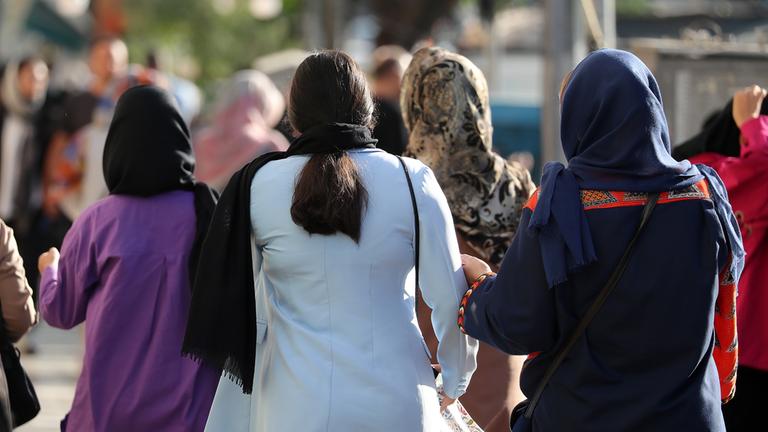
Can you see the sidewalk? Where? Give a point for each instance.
(53, 370)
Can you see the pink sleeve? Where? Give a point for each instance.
(755, 135)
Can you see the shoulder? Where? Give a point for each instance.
(415, 167)
(280, 170)
(386, 165)
(104, 204)
(113, 206)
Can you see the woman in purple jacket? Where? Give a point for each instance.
(124, 269)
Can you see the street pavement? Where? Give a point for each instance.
(54, 370)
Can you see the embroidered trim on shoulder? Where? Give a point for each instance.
(593, 199)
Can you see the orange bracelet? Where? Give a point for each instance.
(465, 299)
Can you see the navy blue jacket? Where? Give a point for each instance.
(645, 362)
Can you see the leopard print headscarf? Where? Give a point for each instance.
(445, 107)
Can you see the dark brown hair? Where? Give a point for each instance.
(329, 87)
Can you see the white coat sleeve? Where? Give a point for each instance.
(443, 284)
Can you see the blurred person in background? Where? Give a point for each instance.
(447, 111)
(280, 67)
(108, 64)
(90, 113)
(735, 143)
(248, 108)
(125, 270)
(23, 86)
(16, 306)
(389, 63)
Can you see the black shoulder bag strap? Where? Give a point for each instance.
(416, 228)
(595, 308)
(415, 241)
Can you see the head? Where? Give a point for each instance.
(108, 58)
(445, 106)
(329, 197)
(251, 92)
(329, 87)
(33, 79)
(613, 118)
(389, 64)
(147, 150)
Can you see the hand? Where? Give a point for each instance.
(747, 103)
(47, 259)
(446, 403)
(473, 267)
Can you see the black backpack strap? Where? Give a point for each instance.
(415, 225)
(618, 272)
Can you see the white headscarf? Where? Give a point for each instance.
(11, 95)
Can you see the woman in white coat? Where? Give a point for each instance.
(322, 334)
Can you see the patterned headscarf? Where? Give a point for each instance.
(446, 110)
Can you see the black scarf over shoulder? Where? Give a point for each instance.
(221, 328)
(148, 152)
(719, 134)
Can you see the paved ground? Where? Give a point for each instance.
(54, 370)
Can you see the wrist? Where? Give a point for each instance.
(467, 294)
(479, 279)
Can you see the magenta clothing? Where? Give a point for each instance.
(123, 271)
(746, 178)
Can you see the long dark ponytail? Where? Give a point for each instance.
(329, 197)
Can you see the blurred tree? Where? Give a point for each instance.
(633, 7)
(203, 43)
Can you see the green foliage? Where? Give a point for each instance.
(192, 32)
(632, 7)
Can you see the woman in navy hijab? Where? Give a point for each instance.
(660, 355)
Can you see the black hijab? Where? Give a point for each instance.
(221, 329)
(719, 134)
(148, 152)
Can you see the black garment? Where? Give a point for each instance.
(390, 129)
(222, 318)
(6, 418)
(746, 411)
(36, 231)
(148, 152)
(43, 233)
(75, 111)
(719, 134)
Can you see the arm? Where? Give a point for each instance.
(15, 294)
(747, 104)
(754, 133)
(515, 310)
(442, 284)
(66, 282)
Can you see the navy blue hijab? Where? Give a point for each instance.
(615, 137)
